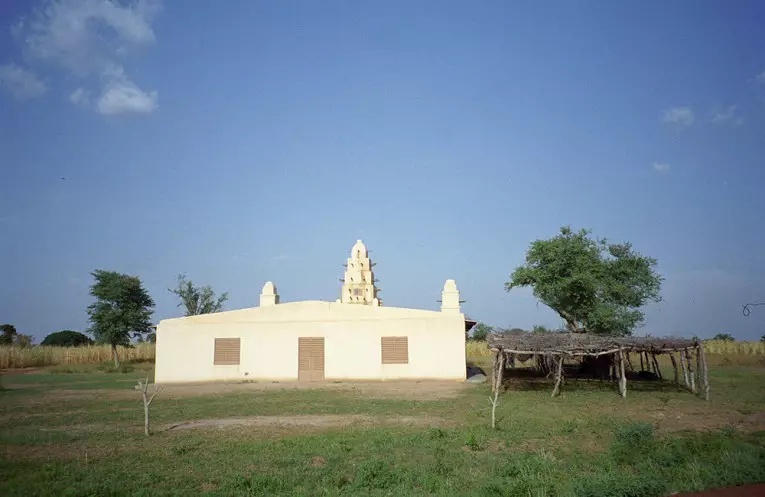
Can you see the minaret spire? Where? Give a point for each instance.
(359, 280)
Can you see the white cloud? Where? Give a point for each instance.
(281, 258)
(727, 115)
(92, 38)
(20, 82)
(760, 77)
(660, 166)
(679, 116)
(122, 96)
(80, 96)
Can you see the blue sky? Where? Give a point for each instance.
(241, 142)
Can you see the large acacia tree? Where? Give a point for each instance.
(122, 309)
(595, 286)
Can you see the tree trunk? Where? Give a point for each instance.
(115, 356)
(145, 414)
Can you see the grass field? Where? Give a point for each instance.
(80, 433)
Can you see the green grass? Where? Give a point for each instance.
(80, 433)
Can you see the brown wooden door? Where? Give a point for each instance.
(310, 358)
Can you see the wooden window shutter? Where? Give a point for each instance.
(395, 350)
(227, 351)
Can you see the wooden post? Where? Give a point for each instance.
(691, 372)
(656, 366)
(629, 362)
(559, 376)
(706, 372)
(685, 369)
(623, 378)
(674, 366)
(642, 368)
(499, 373)
(698, 367)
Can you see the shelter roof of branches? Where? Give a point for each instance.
(554, 348)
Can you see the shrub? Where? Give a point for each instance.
(67, 338)
(376, 474)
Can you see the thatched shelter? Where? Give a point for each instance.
(614, 352)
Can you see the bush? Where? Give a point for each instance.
(375, 474)
(67, 338)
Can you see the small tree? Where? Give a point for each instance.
(197, 300)
(143, 386)
(67, 338)
(762, 338)
(122, 307)
(596, 287)
(8, 334)
(538, 328)
(727, 337)
(23, 341)
(481, 331)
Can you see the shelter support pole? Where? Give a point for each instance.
(642, 368)
(685, 369)
(691, 372)
(706, 372)
(559, 376)
(656, 366)
(698, 368)
(674, 366)
(629, 362)
(623, 376)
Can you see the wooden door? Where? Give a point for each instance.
(310, 358)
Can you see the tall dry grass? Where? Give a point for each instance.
(16, 357)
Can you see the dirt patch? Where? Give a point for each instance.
(756, 421)
(11, 372)
(744, 491)
(318, 461)
(416, 390)
(308, 421)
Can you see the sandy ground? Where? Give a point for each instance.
(310, 421)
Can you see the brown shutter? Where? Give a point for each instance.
(395, 350)
(227, 351)
(310, 358)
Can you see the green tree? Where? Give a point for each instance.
(197, 300)
(596, 287)
(122, 308)
(481, 331)
(724, 336)
(538, 328)
(67, 338)
(762, 338)
(8, 334)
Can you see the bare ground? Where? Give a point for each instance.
(310, 421)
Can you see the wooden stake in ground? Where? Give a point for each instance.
(674, 366)
(642, 368)
(559, 376)
(691, 372)
(144, 387)
(497, 378)
(494, 363)
(623, 376)
(706, 372)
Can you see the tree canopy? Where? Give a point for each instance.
(595, 286)
(197, 300)
(481, 331)
(122, 308)
(67, 338)
(727, 337)
(8, 334)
